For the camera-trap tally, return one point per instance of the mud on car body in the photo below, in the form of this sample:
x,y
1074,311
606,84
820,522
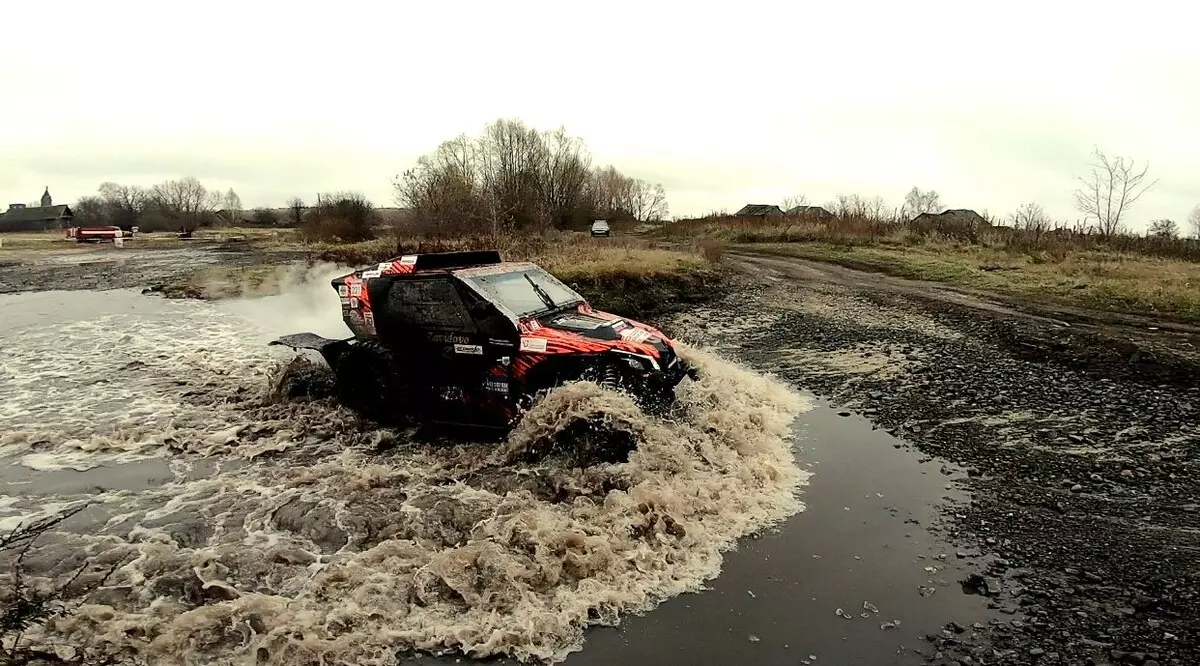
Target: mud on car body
x,y
466,338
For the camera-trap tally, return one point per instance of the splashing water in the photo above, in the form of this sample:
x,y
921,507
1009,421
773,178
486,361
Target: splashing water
x,y
332,542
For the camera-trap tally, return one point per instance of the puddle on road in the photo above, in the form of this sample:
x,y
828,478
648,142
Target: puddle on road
x,y
862,545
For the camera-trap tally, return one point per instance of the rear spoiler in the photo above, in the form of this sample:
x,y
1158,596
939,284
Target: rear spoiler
x,y
435,260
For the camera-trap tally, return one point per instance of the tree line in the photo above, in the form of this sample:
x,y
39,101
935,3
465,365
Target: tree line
x,y
514,177
177,205
1105,195
186,205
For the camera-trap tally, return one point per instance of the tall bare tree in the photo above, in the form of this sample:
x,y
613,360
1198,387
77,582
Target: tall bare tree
x,y
124,203
185,203
566,179
1109,190
647,203
919,201
231,208
1194,221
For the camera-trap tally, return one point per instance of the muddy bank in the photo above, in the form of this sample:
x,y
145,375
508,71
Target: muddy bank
x,y
1084,529
106,267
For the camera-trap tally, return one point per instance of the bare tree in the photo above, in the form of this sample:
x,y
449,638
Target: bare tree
x,y
296,207
90,211
186,196
184,203
647,203
1164,229
1194,221
918,202
792,201
125,203
515,177
876,208
1030,217
1109,190
231,208
566,178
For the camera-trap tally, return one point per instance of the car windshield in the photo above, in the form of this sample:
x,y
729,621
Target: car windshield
x,y
525,291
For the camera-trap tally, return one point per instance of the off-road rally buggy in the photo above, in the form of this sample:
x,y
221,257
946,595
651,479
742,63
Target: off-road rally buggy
x,y
464,338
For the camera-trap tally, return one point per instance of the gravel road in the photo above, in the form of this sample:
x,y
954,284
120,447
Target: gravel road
x,y
1080,432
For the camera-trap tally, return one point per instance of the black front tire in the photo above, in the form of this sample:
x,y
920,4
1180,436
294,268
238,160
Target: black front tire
x,y
367,382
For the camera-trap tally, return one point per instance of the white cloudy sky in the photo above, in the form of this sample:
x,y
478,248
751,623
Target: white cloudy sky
x,y
992,104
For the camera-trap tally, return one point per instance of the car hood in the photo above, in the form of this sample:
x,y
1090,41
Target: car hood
x,y
603,327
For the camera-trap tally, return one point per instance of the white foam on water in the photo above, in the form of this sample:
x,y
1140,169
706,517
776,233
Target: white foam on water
x,y
339,543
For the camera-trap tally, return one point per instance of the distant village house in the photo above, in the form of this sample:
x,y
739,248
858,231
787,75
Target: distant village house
x,y
759,210
955,218
20,217
810,213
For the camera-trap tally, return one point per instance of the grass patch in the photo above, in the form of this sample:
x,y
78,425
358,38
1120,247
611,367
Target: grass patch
x,y
1110,281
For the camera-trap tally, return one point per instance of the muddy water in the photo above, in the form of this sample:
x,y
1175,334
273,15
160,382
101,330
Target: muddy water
x,y
250,530
859,577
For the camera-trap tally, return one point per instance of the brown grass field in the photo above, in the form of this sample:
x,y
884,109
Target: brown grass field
x,y
1132,274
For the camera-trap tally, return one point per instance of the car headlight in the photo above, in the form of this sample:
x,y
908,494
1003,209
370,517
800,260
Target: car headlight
x,y
640,361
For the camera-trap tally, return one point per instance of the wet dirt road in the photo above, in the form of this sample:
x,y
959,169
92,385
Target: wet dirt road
x,y
1080,433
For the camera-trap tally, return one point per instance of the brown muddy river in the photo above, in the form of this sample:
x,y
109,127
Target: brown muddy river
x,y
251,530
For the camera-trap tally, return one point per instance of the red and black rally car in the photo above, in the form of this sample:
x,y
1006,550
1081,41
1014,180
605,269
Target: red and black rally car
x,y
466,338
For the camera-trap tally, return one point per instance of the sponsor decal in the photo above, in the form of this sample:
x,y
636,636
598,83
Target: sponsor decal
x,y
498,385
408,259
384,266
619,324
475,350
356,289
635,335
498,342
449,338
533,324
370,274
345,301
533,344
353,303
369,322
343,291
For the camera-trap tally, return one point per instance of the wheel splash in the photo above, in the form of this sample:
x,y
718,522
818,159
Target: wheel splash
x,y
320,539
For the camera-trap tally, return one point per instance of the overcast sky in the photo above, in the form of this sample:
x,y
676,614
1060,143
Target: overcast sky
x,y
991,104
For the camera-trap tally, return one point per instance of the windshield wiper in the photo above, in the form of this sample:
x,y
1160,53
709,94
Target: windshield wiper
x,y
541,293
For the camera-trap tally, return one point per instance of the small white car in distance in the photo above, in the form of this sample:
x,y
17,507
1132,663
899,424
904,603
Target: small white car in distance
x,y
600,228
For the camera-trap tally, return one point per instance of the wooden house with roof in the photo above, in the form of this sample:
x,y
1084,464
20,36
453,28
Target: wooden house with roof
x,y
20,217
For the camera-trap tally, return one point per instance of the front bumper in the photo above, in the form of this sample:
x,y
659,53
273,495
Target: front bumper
x,y
666,379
